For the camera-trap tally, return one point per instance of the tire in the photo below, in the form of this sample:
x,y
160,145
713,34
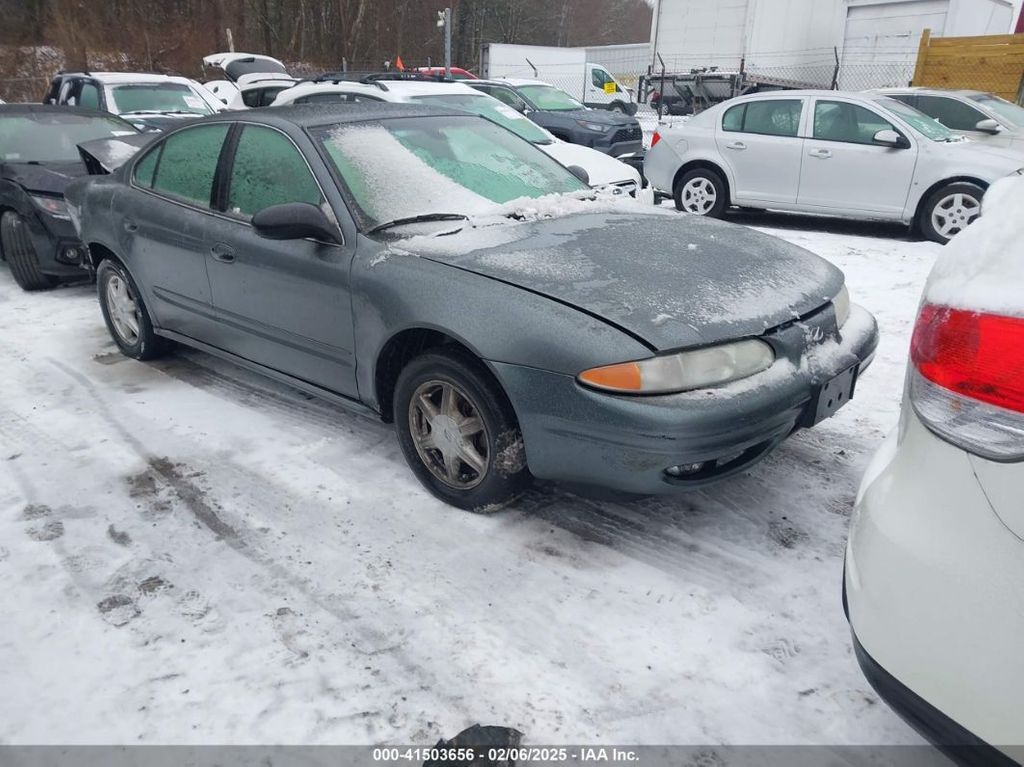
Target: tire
x,y
617,106
702,192
20,254
136,340
454,377
949,210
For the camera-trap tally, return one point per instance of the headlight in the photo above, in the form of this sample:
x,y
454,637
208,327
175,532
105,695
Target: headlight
x,y
55,206
596,127
684,371
841,304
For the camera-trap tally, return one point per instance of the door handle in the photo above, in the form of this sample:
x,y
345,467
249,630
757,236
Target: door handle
x,y
739,146
223,253
130,226
821,154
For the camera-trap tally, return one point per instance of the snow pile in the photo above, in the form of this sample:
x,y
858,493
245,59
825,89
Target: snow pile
x,y
983,267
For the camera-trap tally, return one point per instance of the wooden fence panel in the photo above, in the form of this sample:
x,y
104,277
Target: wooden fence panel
x,y
993,63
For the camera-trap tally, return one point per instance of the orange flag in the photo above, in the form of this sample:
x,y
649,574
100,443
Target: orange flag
x,y
399,64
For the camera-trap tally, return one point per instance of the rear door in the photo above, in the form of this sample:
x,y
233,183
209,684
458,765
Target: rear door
x,y
282,304
163,220
845,171
759,141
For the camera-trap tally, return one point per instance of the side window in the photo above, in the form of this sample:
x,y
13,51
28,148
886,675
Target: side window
x,y
600,78
507,97
954,114
773,117
268,170
733,119
146,167
251,98
188,163
65,93
89,96
850,123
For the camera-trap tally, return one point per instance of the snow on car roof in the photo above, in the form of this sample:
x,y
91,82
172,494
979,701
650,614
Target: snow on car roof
x,y
396,90
115,78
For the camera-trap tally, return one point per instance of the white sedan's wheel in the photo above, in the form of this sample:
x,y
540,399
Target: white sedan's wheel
x,y
949,210
701,192
954,213
699,196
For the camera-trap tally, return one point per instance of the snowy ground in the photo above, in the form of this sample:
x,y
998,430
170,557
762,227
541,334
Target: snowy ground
x,y
194,554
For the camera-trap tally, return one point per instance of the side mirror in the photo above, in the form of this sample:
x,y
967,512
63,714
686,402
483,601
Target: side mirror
x,y
580,173
892,139
988,126
295,221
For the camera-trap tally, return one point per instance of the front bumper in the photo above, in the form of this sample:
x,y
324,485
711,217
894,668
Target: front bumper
x,y
59,251
932,588
575,434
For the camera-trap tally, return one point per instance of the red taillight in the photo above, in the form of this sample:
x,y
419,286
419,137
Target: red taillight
x,y
655,138
966,383
975,355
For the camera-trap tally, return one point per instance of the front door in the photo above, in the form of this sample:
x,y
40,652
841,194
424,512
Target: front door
x,y
283,304
163,220
844,170
759,142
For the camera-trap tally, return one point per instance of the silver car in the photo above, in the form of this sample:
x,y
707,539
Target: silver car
x,y
860,155
981,116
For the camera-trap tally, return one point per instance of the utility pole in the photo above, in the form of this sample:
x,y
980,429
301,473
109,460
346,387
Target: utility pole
x,y
444,20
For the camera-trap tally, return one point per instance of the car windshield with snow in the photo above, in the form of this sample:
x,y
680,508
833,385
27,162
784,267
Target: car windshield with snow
x,y
437,271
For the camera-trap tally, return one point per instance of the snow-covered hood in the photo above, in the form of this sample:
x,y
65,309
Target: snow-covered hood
x,y
689,281
602,168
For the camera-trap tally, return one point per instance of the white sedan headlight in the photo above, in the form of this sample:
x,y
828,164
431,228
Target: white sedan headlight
x,y
683,371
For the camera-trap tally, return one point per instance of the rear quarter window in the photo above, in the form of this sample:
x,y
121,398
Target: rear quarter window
x,y
188,163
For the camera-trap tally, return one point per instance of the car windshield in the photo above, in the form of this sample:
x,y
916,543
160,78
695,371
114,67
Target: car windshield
x,y
54,136
494,111
418,166
1007,110
919,121
549,99
157,97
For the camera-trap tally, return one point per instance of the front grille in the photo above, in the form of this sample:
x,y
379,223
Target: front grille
x,y
632,133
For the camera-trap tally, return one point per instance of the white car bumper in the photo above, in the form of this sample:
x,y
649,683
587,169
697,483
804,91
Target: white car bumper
x,y
935,590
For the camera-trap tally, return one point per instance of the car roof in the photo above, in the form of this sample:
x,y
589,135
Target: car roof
x,y
113,78
515,82
966,92
30,109
388,90
315,115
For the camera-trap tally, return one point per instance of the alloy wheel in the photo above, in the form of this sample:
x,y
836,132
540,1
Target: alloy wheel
x,y
123,311
450,436
954,213
699,196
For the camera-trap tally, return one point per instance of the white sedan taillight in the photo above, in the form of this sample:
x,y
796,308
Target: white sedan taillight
x,y
967,379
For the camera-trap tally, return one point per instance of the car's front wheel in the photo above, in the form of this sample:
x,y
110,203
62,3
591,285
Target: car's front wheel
x,y
458,431
125,313
950,210
20,254
702,192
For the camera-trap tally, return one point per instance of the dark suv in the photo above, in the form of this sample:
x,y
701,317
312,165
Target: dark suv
x,y
609,132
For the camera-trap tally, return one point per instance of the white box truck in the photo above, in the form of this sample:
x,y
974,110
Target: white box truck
x,y
565,68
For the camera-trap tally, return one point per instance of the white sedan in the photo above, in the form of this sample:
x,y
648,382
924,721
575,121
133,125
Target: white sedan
x,y
603,171
859,155
934,583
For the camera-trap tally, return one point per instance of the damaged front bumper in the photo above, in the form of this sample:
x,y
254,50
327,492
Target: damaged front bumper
x,y
657,444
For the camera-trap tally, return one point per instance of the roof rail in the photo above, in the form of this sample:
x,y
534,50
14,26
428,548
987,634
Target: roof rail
x,y
374,77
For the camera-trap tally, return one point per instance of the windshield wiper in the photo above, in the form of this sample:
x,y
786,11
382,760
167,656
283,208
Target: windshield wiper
x,y
418,219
